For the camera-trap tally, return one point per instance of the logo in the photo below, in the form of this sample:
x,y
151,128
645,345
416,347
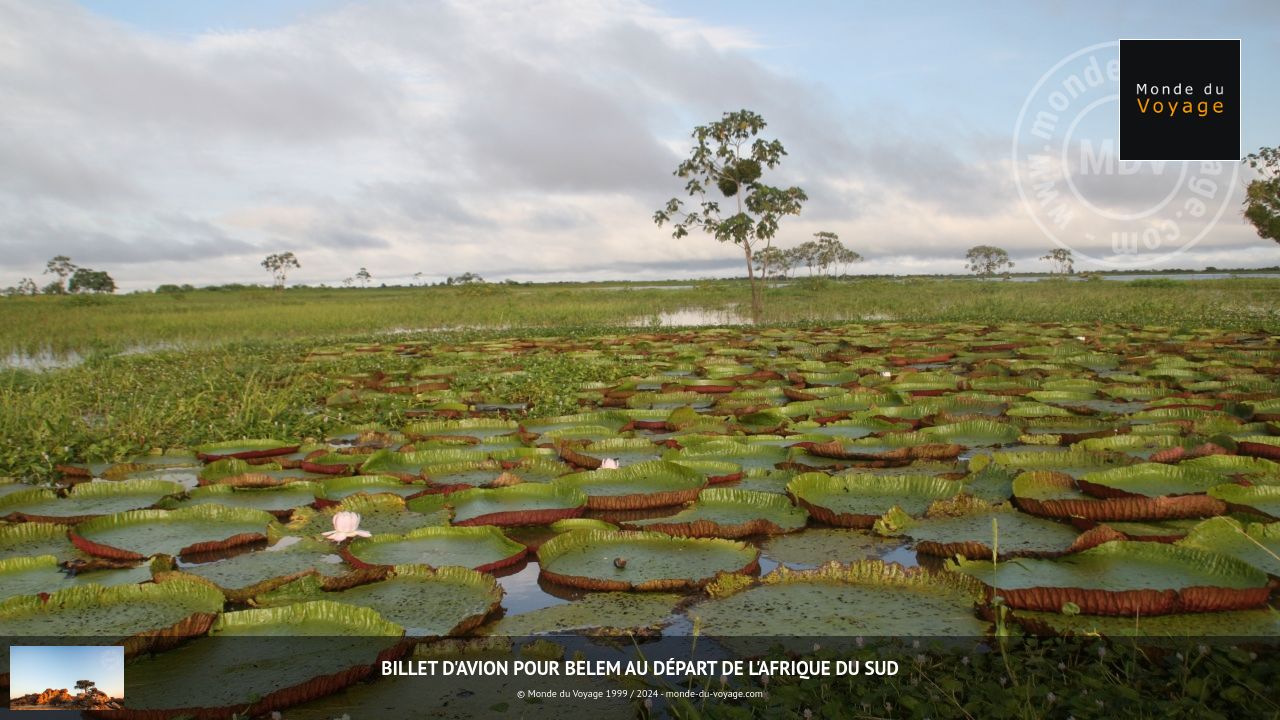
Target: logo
x,y
1066,163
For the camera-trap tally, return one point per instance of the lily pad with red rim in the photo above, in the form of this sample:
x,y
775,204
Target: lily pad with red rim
x,y
648,561
244,449
1125,578
257,677
427,602
857,500
729,513
483,548
636,487
515,505
138,534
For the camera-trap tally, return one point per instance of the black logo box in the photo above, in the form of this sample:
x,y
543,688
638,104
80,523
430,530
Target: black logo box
x,y
1205,73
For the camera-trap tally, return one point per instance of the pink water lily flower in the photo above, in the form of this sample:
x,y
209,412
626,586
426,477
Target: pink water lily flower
x,y
346,524
609,464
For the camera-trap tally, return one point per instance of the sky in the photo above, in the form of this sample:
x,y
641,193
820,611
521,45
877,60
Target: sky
x,y
36,669
182,142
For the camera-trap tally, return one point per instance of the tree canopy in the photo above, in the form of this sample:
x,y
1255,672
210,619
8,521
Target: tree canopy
x,y
1262,196
729,156
987,260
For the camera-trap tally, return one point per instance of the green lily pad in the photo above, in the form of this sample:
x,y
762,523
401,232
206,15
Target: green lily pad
x,y
603,560
856,500
338,488
255,678
973,531
482,548
88,499
115,612
819,546
31,575
426,602
1255,543
636,487
1264,499
244,575
273,499
523,504
729,513
974,433
380,514
31,538
243,449
138,534
889,601
1149,480
1125,578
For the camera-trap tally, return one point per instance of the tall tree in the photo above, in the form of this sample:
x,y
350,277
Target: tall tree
x,y
94,281
83,685
364,277
62,267
1060,260
279,265
987,260
1262,196
729,156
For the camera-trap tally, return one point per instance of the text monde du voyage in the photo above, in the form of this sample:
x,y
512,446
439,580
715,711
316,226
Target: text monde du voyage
x,y
655,668
1180,99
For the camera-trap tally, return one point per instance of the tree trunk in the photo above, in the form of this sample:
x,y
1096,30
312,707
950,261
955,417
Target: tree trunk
x,y
757,302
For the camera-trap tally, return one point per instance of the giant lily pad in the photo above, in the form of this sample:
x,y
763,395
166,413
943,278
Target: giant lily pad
x,y
868,598
729,513
86,500
146,615
31,538
974,433
410,465
279,500
332,646
138,534
972,529
636,487
819,546
523,504
1125,578
244,575
1056,495
1263,499
1148,480
425,601
482,548
617,560
340,487
244,449
379,514
42,574
1255,543
857,500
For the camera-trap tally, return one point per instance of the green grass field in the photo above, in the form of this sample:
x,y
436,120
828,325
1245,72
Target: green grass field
x,y
91,323
231,374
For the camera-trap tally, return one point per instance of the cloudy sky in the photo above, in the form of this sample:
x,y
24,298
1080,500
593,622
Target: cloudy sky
x,y
181,142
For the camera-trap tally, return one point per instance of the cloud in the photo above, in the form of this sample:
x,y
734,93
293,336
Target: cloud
x,y
509,139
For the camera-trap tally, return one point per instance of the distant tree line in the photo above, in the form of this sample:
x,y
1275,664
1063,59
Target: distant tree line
x,y
69,278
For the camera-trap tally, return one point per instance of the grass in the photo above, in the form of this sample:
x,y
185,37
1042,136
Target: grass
x,y
85,325
238,379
